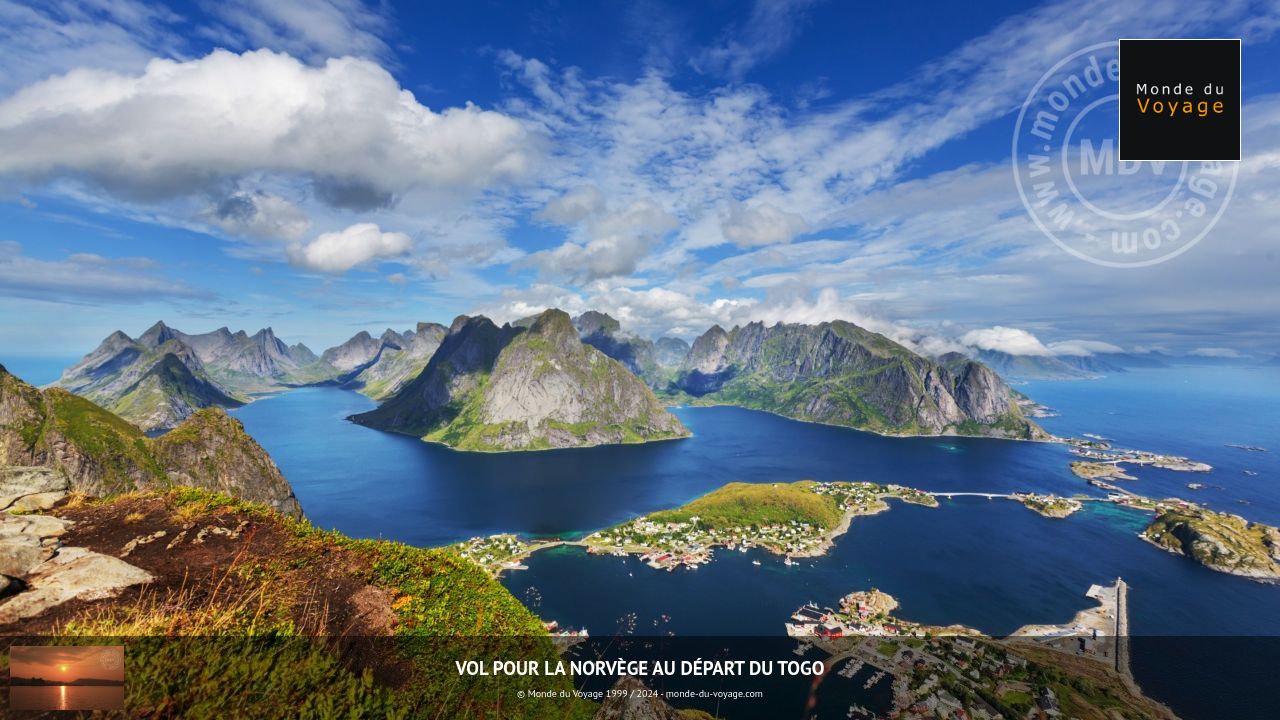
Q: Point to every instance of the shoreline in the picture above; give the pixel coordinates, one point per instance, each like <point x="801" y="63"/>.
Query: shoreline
<point x="1051" y="440"/>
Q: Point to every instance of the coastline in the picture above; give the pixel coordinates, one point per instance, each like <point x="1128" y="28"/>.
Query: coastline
<point x="1052" y="439"/>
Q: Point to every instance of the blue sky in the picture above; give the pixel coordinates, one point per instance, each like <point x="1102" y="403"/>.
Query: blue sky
<point x="329" y="166"/>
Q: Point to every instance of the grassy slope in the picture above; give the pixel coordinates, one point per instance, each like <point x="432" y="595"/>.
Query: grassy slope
<point x="465" y="428"/>
<point x="116" y="445"/>
<point x="742" y="504"/>
<point x="254" y="623"/>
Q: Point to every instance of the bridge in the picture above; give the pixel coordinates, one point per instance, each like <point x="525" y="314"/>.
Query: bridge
<point x="989" y="496"/>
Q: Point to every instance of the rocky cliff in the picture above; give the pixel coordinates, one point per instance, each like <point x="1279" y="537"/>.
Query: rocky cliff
<point x="839" y="373"/>
<point x="517" y="388"/>
<point x="647" y="360"/>
<point x="61" y="442"/>
<point x="1219" y="541"/>
<point x="379" y="368"/>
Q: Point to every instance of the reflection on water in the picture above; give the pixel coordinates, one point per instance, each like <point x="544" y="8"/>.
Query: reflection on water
<point x="67" y="697"/>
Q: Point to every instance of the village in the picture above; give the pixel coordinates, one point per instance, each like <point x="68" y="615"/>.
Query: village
<point x="691" y="543"/>
<point x="951" y="672"/>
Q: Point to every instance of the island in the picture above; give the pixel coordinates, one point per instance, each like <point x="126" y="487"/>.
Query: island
<point x="1094" y="470"/>
<point x="1050" y="506"/>
<point x="1219" y="541"/>
<point x="799" y="519"/>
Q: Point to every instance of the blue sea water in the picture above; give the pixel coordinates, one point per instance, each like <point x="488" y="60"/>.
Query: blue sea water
<point x="38" y="370"/>
<point x="993" y="565"/>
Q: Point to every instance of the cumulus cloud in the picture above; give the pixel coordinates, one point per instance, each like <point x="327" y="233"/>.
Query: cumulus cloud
<point x="762" y="224"/>
<point x="608" y="243"/>
<point x="258" y="215"/>
<point x="184" y="127"/>
<point x="340" y="251"/>
<point x="1005" y="339"/>
<point x="574" y="206"/>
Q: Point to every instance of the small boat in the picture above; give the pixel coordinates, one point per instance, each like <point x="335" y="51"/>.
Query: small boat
<point x="755" y="562"/>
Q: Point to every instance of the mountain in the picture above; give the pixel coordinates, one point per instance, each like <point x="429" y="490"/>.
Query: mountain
<point x="93" y="451"/>
<point x="379" y="368"/>
<point x="841" y="374"/>
<point x="518" y="388"/>
<point x="670" y="352"/>
<point x="165" y="375"/>
<point x="652" y="362"/>
<point x="356" y="352"/>
<point x="247" y="364"/>
<point x="1036" y="367"/>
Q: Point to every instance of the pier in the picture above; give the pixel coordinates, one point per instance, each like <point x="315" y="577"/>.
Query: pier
<point x="1122" y="630"/>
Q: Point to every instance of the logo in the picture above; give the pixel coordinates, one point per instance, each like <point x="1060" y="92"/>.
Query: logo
<point x="1071" y="180"/>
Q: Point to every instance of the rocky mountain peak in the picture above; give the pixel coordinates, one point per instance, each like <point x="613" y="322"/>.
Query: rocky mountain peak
<point x="554" y="324"/>
<point x="518" y="388"/>
<point x="157" y="335"/>
<point x="592" y="322"/>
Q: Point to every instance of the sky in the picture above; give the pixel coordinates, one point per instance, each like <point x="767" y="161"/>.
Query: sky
<point x="332" y="166"/>
<point x="67" y="663"/>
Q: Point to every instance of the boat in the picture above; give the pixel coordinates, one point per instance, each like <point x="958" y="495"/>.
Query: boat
<point x="755" y="562"/>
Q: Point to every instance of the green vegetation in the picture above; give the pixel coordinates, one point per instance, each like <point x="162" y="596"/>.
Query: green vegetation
<point x="756" y="505"/>
<point x="837" y="373"/>
<point x="119" y="450"/>
<point x="493" y="389"/>
<point x="215" y="644"/>
<point x="1223" y="542"/>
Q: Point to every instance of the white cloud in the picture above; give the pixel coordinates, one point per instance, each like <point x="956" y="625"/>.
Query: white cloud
<point x="338" y="252"/>
<point x="1216" y="352"/>
<point x="607" y="243"/>
<point x="574" y="206"/>
<point x="258" y="215"/>
<point x="656" y="311"/>
<point x="1005" y="339"/>
<point x="1083" y="348"/>
<point x="186" y="127"/>
<point x="770" y="28"/>
<point x="85" y="278"/>
<point x="314" y="30"/>
<point x="762" y="224"/>
<point x="42" y="39"/>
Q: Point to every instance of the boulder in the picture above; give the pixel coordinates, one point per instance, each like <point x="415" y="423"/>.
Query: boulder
<point x="31" y="488"/>
<point x="73" y="573"/>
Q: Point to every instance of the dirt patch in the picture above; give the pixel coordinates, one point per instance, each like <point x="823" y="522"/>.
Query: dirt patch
<point x="201" y="558"/>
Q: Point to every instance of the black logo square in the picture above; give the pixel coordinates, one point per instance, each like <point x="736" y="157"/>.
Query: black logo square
<point x="1180" y="100"/>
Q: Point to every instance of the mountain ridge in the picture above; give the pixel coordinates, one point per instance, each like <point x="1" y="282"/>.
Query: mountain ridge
<point x="94" y="451"/>
<point x="523" y="388"/>
<point x="841" y="374"/>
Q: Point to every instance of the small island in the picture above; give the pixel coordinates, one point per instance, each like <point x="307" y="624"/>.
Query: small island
<point x="799" y="519"/>
<point x="1219" y="541"/>
<point x="1050" y="506"/>
<point x="1096" y="471"/>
